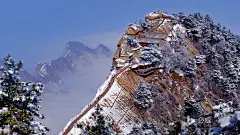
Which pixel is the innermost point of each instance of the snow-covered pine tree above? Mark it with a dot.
(19, 102)
(101, 125)
(144, 96)
(226, 119)
(147, 128)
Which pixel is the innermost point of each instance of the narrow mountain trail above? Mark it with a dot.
(71, 125)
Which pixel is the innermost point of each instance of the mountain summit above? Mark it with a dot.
(102, 49)
(73, 52)
(77, 48)
(181, 71)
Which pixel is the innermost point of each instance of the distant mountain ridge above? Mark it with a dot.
(50, 72)
(78, 49)
(73, 51)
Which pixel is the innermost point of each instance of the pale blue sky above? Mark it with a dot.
(36, 30)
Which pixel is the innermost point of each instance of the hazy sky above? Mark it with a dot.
(36, 31)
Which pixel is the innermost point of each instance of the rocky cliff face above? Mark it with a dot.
(171, 69)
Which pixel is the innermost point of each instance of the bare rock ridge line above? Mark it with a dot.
(66, 131)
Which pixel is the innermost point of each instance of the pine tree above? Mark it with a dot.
(148, 128)
(144, 96)
(101, 124)
(19, 102)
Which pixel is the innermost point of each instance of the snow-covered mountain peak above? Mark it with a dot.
(172, 69)
(76, 48)
(103, 48)
(73, 52)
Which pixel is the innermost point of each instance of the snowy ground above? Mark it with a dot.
(107, 111)
(109, 91)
